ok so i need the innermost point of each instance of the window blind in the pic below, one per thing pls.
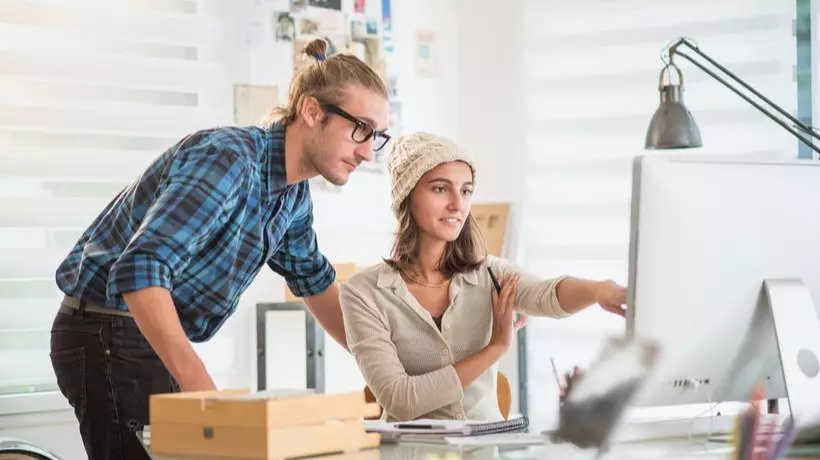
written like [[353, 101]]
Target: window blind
[[591, 76], [91, 91]]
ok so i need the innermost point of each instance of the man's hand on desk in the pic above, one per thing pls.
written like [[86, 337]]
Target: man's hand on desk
[[196, 381]]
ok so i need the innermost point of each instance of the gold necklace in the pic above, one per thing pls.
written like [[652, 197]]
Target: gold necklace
[[425, 284]]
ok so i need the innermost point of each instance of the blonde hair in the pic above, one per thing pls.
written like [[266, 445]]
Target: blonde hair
[[325, 80]]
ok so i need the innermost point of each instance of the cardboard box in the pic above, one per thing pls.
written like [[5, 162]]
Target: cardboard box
[[267, 424]]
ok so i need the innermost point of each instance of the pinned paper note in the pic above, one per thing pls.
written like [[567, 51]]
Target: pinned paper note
[[426, 53]]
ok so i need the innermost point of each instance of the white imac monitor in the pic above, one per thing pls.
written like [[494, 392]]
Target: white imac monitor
[[724, 273]]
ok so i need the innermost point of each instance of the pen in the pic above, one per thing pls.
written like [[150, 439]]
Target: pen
[[419, 427], [785, 440], [495, 280], [555, 372], [736, 437], [742, 452], [768, 444]]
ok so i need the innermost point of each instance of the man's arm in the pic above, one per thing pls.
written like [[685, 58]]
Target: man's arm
[[325, 307], [200, 189], [155, 315], [308, 273]]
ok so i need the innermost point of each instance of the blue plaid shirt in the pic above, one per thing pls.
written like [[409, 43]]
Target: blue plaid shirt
[[201, 221]]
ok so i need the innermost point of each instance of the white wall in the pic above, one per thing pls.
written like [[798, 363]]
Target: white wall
[[428, 102], [489, 101]]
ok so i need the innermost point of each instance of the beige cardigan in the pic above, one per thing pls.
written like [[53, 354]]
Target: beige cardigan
[[408, 363]]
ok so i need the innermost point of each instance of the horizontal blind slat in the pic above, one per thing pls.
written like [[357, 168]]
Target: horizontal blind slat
[[91, 92], [116, 163], [140, 120], [43, 212]]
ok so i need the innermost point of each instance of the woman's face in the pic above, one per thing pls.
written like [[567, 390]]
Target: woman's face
[[440, 201]]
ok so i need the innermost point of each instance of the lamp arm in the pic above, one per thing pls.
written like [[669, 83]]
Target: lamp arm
[[673, 50]]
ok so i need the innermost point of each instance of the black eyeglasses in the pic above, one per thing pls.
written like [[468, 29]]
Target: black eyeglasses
[[362, 132]]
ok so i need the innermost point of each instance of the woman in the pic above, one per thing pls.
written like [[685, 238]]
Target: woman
[[426, 326]]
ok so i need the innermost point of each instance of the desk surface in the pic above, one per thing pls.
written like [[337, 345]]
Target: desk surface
[[677, 449], [670, 449]]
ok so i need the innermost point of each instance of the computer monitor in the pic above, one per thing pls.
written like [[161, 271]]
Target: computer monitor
[[724, 274]]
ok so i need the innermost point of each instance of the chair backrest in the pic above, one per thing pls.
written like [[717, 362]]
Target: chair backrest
[[19, 449], [503, 392]]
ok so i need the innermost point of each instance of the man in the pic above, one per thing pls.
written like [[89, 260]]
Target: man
[[167, 260]]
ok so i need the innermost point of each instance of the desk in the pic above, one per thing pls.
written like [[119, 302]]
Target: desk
[[670, 449]]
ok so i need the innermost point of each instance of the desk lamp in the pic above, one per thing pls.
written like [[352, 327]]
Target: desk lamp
[[672, 125]]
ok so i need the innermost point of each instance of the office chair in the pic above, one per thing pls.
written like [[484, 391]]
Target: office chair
[[503, 393], [18, 449]]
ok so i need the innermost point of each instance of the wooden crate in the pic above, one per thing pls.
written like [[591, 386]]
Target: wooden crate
[[269, 425]]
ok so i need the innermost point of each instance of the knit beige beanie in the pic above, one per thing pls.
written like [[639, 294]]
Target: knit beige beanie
[[412, 155]]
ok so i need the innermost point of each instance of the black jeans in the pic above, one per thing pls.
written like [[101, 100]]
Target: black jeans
[[107, 370]]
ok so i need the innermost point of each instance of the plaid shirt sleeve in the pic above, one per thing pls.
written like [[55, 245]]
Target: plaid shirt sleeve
[[200, 187], [306, 270]]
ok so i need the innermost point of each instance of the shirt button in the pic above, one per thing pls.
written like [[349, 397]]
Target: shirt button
[[447, 327], [446, 351]]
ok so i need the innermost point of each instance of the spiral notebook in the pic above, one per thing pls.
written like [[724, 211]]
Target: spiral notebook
[[506, 426]]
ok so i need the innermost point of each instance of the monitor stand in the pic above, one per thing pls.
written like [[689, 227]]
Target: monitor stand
[[797, 332]]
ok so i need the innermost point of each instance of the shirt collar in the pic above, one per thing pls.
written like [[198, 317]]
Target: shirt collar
[[470, 277], [277, 171], [390, 277]]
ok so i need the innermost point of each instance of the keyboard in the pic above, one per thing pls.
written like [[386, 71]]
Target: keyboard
[[718, 428], [694, 427]]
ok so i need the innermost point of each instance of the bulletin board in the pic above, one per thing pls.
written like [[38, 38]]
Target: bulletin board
[[492, 220]]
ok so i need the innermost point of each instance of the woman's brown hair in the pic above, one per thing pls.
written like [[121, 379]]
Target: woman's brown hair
[[466, 253], [326, 80]]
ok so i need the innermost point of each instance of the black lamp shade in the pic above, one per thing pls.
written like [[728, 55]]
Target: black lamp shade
[[672, 126]]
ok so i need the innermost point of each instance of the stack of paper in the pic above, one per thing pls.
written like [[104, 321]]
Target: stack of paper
[[430, 430]]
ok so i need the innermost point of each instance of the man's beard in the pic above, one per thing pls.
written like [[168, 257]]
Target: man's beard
[[317, 159]]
